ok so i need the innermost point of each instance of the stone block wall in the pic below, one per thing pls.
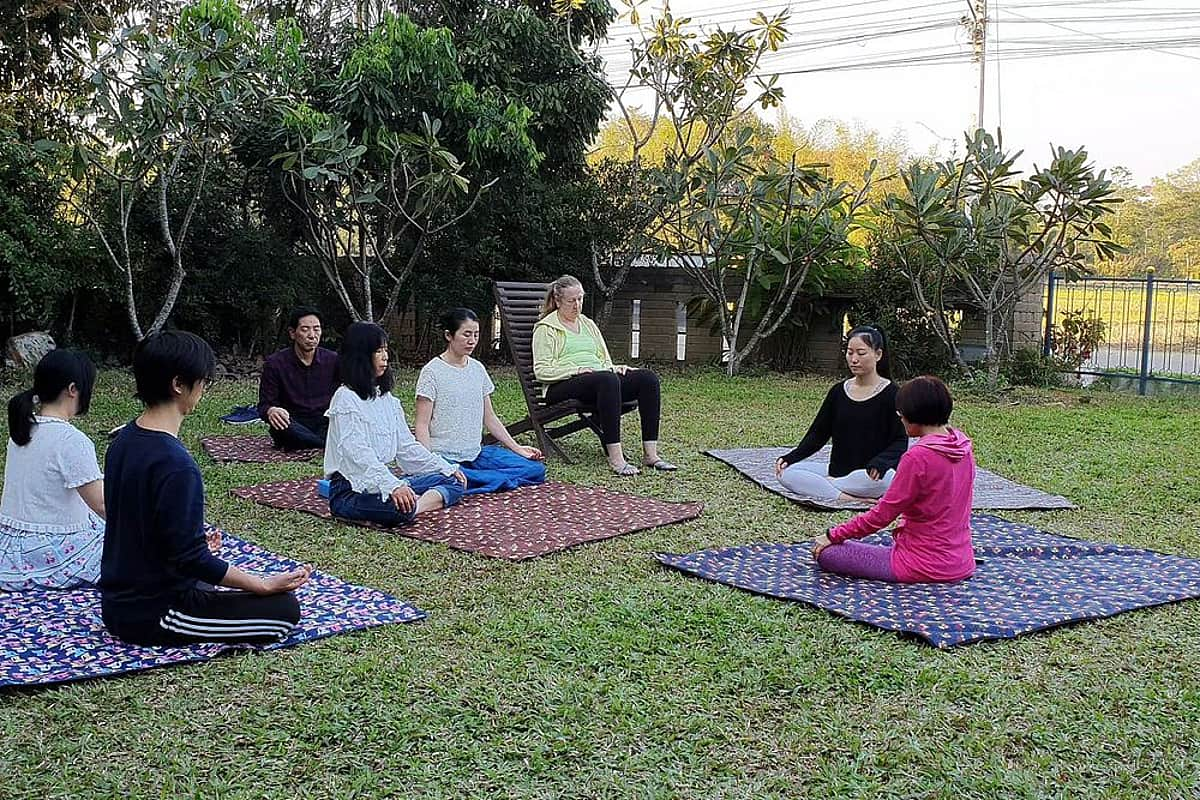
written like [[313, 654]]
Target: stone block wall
[[1025, 329], [659, 291]]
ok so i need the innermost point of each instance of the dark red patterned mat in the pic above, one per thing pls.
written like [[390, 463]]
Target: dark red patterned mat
[[254, 449], [524, 523]]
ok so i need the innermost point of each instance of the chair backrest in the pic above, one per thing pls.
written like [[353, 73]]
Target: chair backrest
[[520, 307]]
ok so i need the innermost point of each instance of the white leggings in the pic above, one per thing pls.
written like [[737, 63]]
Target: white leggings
[[811, 479]]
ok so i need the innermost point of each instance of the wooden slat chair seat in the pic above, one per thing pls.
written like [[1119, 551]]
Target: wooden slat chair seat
[[520, 307]]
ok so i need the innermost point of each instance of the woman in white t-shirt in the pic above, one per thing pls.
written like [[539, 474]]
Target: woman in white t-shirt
[[52, 509], [454, 405]]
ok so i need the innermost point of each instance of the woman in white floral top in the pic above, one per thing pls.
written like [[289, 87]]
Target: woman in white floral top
[[52, 509]]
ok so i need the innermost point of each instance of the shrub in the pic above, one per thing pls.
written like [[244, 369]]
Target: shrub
[[1028, 367]]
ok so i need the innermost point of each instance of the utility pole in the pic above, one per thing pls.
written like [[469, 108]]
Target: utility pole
[[977, 26]]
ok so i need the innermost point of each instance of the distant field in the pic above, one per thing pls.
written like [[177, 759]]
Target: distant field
[[1174, 322]]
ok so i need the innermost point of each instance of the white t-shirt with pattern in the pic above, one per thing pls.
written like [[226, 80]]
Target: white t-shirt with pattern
[[42, 478], [456, 429]]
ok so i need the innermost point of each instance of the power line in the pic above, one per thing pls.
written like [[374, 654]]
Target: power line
[[1107, 39], [1015, 48]]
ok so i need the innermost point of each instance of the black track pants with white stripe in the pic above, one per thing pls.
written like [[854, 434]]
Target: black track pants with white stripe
[[205, 615]]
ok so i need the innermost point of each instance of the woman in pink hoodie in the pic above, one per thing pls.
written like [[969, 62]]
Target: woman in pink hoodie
[[932, 489]]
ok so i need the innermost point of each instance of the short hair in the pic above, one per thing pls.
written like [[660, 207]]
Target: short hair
[[57, 370], [925, 401], [873, 335], [162, 357], [453, 319], [356, 367], [299, 313]]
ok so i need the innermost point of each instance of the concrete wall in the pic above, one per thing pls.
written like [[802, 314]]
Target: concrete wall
[[1025, 329], [659, 291]]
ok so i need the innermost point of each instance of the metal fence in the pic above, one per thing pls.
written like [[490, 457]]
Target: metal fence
[[1151, 326]]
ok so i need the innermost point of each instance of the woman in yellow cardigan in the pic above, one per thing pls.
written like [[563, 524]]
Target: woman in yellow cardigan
[[570, 357]]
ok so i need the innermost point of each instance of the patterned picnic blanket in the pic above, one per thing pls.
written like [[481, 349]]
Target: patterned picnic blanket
[[525, 523], [1025, 580], [992, 492], [55, 636], [251, 449]]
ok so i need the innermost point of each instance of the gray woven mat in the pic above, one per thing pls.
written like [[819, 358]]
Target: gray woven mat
[[992, 492]]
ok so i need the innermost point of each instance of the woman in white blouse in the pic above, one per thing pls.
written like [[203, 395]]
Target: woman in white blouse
[[52, 509], [368, 433]]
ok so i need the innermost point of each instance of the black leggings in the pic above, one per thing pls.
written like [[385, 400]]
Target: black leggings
[[208, 615], [606, 391]]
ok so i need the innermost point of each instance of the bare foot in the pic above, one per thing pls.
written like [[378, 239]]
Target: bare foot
[[849, 498]]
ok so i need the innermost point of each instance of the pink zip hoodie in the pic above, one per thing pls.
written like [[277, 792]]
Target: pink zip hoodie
[[933, 489]]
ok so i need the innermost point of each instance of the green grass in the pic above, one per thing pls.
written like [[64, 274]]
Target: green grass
[[595, 673]]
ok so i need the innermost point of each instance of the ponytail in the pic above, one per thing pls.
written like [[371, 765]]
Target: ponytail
[[20, 417], [57, 370], [873, 335], [554, 292]]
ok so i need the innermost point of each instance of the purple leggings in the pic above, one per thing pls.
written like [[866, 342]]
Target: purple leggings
[[858, 560]]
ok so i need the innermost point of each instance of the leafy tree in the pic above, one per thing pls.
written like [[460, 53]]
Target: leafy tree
[[43, 259], [847, 150], [1159, 224], [758, 232], [160, 102], [536, 223], [40, 68], [974, 222], [702, 95], [362, 159]]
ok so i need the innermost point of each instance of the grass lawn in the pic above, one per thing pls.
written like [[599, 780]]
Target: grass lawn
[[596, 673]]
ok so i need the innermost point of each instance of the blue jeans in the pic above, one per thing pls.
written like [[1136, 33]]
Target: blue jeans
[[346, 503], [498, 469]]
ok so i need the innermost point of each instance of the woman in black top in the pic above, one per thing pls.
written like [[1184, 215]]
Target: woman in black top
[[859, 415]]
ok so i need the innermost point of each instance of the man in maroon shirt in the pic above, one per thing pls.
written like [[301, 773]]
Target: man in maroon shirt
[[297, 384]]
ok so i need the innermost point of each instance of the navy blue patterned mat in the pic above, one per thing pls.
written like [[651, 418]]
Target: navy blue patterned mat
[[1026, 580], [55, 636]]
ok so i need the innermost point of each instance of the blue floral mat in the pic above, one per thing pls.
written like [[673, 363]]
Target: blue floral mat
[[54, 636], [1025, 580]]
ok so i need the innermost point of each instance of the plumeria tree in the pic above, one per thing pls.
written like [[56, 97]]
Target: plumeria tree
[[759, 227], [703, 88], [974, 233], [163, 107]]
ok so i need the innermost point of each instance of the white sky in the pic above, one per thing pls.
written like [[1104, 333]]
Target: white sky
[[1137, 108]]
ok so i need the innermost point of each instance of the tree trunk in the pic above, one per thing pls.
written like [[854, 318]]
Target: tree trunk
[[993, 360], [168, 305], [605, 309]]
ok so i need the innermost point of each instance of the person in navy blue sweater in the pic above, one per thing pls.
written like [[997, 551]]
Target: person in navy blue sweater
[[159, 571]]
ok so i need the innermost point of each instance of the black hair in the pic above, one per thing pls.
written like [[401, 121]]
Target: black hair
[[162, 357], [356, 366], [925, 401], [453, 319], [873, 335], [57, 370], [299, 313]]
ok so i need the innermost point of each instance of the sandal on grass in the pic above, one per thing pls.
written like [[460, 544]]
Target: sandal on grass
[[663, 465], [626, 471]]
